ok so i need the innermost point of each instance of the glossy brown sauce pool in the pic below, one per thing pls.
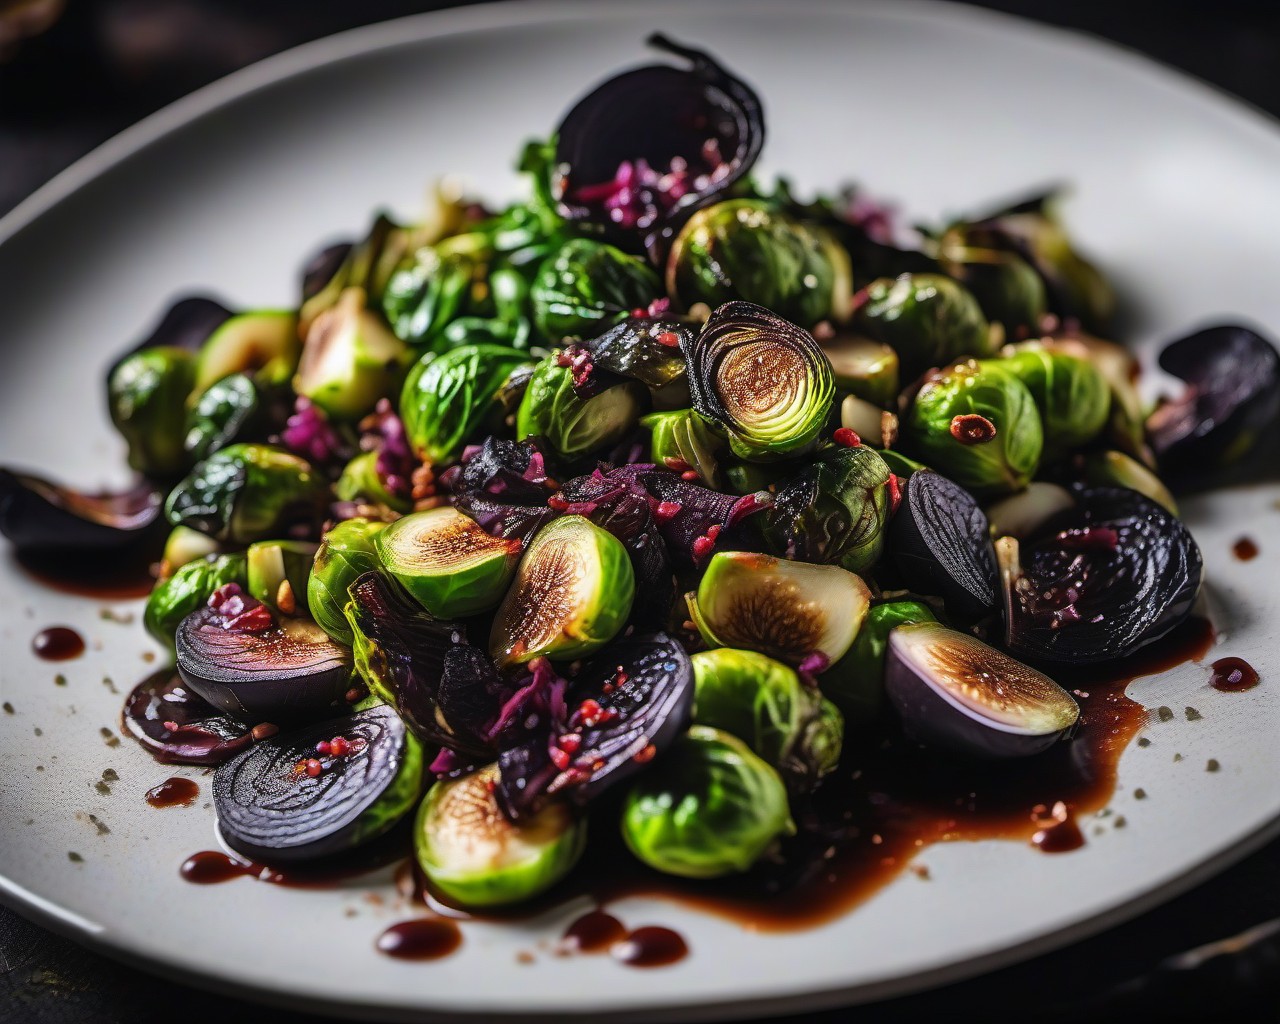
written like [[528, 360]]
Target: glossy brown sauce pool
[[174, 792], [58, 643], [104, 577], [650, 947], [593, 932], [209, 867], [1057, 831], [1245, 549], [1233, 674], [423, 938]]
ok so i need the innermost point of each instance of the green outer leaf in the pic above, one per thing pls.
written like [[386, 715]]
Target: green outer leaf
[[586, 287], [855, 683], [360, 481], [229, 410], [538, 852], [147, 398], [188, 590], [682, 436], [999, 466], [397, 799], [447, 398], [764, 703], [572, 427], [247, 492], [928, 319], [1074, 399], [748, 249], [436, 286], [346, 552], [710, 807]]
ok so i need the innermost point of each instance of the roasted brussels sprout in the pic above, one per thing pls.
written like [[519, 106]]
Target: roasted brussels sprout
[[855, 684], [956, 693], [147, 397], [747, 249], [350, 359], [268, 809], [764, 703], [572, 594], [248, 492], [833, 511], [569, 427], [646, 349], [262, 342], [362, 483], [346, 552], [1116, 469], [448, 398], [185, 545], [476, 857], [928, 319], [234, 408], [187, 590], [1073, 397], [864, 368], [278, 573], [447, 562], [761, 380], [642, 151], [977, 423], [586, 287], [682, 440], [709, 808], [436, 286], [785, 609]]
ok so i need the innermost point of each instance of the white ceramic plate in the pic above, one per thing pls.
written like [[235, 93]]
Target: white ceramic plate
[[941, 107]]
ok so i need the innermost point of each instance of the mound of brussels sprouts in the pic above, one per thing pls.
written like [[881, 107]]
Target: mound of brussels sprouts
[[653, 484]]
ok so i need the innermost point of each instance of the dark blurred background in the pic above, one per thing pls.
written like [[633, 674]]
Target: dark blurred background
[[75, 72]]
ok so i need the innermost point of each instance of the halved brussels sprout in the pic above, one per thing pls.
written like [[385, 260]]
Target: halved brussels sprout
[[928, 319], [1073, 397], [865, 368], [954, 692], [764, 703], [833, 511], [785, 609], [271, 808], [248, 492], [147, 398], [587, 287], [709, 808], [447, 562], [572, 427], [761, 380], [188, 590], [639, 153], [262, 342], [572, 594], [748, 249], [476, 857], [855, 683], [681, 440], [350, 359], [447, 399], [978, 424], [278, 573], [346, 552]]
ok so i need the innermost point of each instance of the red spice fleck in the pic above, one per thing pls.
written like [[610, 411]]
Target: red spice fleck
[[895, 492], [313, 768], [669, 339], [570, 742], [702, 548], [972, 429], [847, 437], [674, 464], [339, 746], [646, 755], [589, 708], [557, 503], [559, 758], [667, 510], [713, 532], [690, 475], [323, 748]]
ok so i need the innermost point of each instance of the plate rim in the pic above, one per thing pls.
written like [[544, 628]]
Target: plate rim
[[416, 28]]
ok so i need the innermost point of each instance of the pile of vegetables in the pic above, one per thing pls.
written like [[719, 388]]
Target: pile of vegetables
[[631, 504]]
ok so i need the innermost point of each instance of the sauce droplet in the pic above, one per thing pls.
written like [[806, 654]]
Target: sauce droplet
[[593, 932], [1233, 674], [1245, 549], [1058, 831], [424, 938], [174, 792], [209, 867], [650, 947], [58, 643]]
